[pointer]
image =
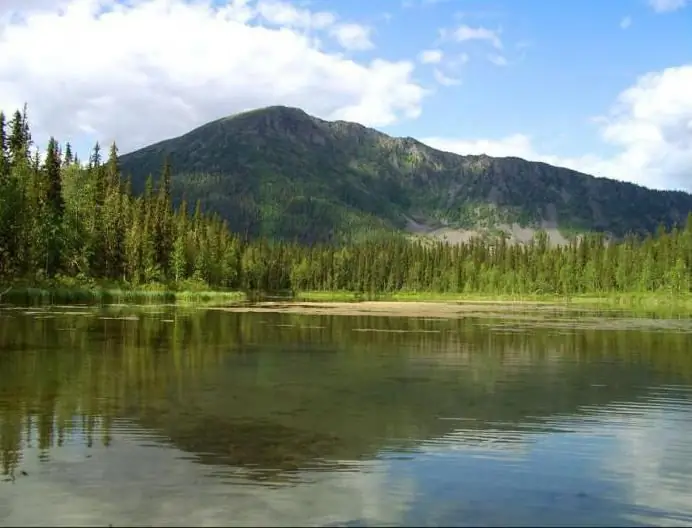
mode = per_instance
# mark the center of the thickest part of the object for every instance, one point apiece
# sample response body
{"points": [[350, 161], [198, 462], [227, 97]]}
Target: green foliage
{"points": [[63, 219]]}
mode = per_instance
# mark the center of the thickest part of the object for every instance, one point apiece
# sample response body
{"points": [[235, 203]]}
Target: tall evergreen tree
{"points": [[163, 221], [53, 167], [18, 143], [4, 154], [68, 159]]}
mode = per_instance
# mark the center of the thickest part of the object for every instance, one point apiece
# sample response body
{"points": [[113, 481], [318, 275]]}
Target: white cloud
{"points": [[497, 59], [651, 456], [431, 56], [145, 491], [284, 14], [444, 80], [8, 7], [626, 22], [353, 36], [666, 6], [153, 69], [514, 145], [650, 125], [350, 36], [464, 33]]}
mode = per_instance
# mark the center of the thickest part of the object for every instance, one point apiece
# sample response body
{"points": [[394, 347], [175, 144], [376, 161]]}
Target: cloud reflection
{"points": [[160, 485]]}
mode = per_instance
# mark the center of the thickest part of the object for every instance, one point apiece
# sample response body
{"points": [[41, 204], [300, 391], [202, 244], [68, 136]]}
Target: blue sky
{"points": [[567, 62], [601, 87]]}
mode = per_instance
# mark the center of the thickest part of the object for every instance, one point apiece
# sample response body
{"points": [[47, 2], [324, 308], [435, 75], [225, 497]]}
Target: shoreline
{"points": [[339, 302], [36, 295]]}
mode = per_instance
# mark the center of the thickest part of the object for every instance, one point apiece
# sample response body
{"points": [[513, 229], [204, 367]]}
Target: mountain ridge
{"points": [[280, 172]]}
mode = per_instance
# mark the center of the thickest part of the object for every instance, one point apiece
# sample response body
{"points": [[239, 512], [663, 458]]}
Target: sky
{"points": [[600, 87]]}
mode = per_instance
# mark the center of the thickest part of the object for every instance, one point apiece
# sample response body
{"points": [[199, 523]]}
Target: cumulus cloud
{"points": [[284, 14], [144, 70], [465, 33], [431, 56], [8, 7], [353, 36], [666, 6], [650, 125]]}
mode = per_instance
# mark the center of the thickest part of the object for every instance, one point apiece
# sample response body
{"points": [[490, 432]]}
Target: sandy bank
{"points": [[393, 309]]}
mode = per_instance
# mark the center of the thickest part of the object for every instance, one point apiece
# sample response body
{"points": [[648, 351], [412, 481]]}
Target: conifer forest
{"points": [[65, 218]]}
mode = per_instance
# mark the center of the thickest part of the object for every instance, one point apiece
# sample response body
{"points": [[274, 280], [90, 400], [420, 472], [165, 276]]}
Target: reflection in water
{"points": [[214, 418]]}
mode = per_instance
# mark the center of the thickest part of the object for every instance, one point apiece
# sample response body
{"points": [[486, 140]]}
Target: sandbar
{"points": [[394, 308]]}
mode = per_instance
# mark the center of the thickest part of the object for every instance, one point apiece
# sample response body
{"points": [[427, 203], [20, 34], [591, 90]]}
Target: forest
{"points": [[65, 218]]}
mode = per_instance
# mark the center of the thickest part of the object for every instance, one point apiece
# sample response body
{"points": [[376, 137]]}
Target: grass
{"points": [[653, 301], [67, 291], [75, 291]]}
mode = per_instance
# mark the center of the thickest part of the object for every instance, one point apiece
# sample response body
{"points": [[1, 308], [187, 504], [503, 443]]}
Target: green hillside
{"points": [[279, 172]]}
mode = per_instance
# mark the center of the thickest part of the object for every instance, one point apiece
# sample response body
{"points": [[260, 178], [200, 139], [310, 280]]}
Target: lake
{"points": [[170, 416]]}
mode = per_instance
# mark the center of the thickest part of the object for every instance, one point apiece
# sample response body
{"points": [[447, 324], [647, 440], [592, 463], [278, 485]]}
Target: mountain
{"points": [[279, 172]]}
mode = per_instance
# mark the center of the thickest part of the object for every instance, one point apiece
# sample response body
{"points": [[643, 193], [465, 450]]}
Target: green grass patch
{"points": [[654, 301], [72, 291], [69, 291]]}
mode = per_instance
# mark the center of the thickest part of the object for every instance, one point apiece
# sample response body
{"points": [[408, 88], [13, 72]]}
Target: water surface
{"points": [[180, 417]]}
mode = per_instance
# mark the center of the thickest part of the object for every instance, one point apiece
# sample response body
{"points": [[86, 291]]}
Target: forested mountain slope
{"points": [[279, 172], [64, 222]]}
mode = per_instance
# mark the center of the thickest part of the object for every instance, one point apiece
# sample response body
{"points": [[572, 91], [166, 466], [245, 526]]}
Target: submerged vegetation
{"points": [[76, 231]]}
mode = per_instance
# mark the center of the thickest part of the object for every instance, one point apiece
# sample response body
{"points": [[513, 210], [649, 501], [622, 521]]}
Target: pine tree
{"points": [[163, 221], [112, 169], [68, 159], [18, 144], [53, 167], [54, 207], [7, 212], [4, 154], [178, 264], [95, 158], [133, 244]]}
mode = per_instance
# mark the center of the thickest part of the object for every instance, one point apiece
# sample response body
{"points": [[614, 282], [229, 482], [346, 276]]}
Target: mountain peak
{"points": [[274, 111], [274, 120], [279, 172]]}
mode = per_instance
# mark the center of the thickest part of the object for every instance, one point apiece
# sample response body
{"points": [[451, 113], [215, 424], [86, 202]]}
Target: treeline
{"points": [[60, 217]]}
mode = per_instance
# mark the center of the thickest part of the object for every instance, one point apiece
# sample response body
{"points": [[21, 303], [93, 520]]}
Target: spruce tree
{"points": [[53, 166], [178, 263], [18, 142], [163, 221], [4, 154], [68, 159]]}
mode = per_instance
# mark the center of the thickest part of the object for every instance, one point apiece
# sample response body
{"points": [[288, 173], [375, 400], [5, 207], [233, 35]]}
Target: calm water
{"points": [[172, 417]]}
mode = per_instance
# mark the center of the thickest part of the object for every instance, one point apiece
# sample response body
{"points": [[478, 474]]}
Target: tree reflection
{"points": [[281, 392]]}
